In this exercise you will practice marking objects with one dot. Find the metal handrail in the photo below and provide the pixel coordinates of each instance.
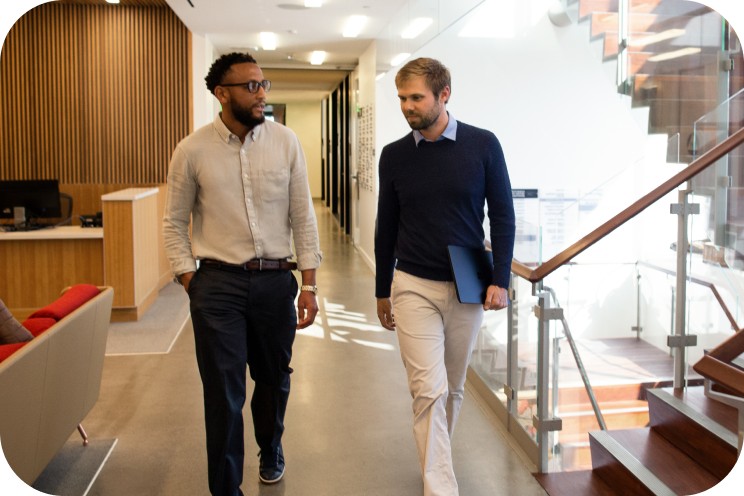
(701, 282)
(580, 365)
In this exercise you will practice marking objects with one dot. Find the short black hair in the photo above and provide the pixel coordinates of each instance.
(222, 65)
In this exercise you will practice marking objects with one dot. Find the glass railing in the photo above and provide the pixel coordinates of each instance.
(581, 344)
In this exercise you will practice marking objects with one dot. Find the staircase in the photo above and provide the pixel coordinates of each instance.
(677, 88)
(689, 446)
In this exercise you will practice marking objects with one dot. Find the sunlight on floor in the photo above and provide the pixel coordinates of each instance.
(340, 325)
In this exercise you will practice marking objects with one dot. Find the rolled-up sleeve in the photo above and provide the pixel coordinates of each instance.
(301, 212)
(180, 200)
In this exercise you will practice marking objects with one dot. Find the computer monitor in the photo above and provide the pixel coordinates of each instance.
(26, 201)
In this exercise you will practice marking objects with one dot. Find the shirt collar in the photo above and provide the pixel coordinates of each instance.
(450, 132)
(226, 134)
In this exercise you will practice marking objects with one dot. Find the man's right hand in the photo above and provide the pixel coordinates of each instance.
(185, 279)
(385, 313)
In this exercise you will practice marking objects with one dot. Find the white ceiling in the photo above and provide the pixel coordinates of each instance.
(234, 25)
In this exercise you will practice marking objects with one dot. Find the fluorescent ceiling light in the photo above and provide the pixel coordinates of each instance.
(317, 57)
(354, 26)
(268, 40)
(642, 41)
(398, 59)
(313, 4)
(112, 1)
(380, 76)
(675, 54)
(416, 27)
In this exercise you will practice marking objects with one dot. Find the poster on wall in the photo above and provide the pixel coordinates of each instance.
(527, 212)
(366, 148)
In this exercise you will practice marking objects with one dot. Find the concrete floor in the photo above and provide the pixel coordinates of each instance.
(348, 421)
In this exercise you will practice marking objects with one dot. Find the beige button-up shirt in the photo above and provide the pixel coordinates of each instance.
(246, 200)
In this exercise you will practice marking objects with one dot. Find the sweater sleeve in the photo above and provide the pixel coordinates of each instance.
(386, 228)
(500, 214)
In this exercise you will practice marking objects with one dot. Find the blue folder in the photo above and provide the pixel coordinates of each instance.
(472, 269)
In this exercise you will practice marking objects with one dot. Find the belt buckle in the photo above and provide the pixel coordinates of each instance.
(260, 264)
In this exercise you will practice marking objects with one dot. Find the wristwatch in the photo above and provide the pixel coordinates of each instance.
(312, 288)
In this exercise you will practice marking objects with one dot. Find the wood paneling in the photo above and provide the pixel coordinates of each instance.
(35, 271)
(93, 94)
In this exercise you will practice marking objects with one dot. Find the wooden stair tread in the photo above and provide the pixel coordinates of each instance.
(674, 468)
(578, 483)
(723, 414)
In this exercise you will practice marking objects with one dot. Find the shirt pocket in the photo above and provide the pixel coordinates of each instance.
(274, 185)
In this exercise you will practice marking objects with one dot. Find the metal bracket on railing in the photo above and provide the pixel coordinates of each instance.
(685, 341)
(510, 392)
(684, 209)
(548, 425)
(548, 313)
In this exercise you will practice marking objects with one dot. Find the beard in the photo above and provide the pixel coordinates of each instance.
(424, 120)
(245, 116)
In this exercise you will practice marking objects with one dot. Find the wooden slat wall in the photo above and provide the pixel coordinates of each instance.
(93, 95)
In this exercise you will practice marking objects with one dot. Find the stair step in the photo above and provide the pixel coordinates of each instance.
(579, 483)
(697, 425)
(644, 462)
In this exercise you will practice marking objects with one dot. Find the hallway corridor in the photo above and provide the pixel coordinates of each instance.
(348, 421)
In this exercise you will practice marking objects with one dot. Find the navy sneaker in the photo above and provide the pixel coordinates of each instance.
(271, 466)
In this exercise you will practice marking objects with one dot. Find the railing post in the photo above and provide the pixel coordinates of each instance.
(543, 422)
(512, 348)
(679, 341)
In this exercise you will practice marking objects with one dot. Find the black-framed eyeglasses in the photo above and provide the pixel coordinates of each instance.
(252, 86)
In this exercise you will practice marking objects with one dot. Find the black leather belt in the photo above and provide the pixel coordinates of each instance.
(258, 264)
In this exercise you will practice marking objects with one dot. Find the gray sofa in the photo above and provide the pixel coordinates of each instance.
(49, 385)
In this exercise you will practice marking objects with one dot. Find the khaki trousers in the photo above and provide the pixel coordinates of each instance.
(436, 334)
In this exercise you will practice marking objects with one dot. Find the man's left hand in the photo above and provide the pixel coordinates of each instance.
(307, 308)
(496, 298)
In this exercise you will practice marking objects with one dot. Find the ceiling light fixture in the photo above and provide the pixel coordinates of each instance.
(354, 26)
(268, 40)
(398, 59)
(317, 57)
(380, 76)
(112, 1)
(416, 27)
(675, 54)
(313, 4)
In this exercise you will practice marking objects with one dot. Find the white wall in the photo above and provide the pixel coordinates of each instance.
(304, 119)
(205, 105)
(541, 90)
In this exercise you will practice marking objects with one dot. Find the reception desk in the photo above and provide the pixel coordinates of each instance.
(124, 254)
(37, 265)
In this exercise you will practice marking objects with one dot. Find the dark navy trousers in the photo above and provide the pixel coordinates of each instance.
(242, 318)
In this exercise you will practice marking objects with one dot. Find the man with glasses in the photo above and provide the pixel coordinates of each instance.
(241, 182)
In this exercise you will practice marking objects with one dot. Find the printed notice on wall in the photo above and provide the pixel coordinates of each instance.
(527, 236)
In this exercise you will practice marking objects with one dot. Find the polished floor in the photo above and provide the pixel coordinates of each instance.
(348, 421)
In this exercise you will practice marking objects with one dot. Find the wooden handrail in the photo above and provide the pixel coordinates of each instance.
(697, 166)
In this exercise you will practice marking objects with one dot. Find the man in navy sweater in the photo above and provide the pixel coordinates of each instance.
(434, 184)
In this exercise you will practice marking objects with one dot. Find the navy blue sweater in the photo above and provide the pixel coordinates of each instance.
(433, 196)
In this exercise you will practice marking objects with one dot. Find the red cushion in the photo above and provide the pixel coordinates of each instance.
(37, 325)
(8, 349)
(69, 301)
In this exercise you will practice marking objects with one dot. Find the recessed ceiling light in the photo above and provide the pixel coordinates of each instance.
(354, 26)
(313, 4)
(416, 27)
(268, 40)
(112, 1)
(317, 57)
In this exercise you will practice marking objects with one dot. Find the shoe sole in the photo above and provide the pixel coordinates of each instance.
(271, 481)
